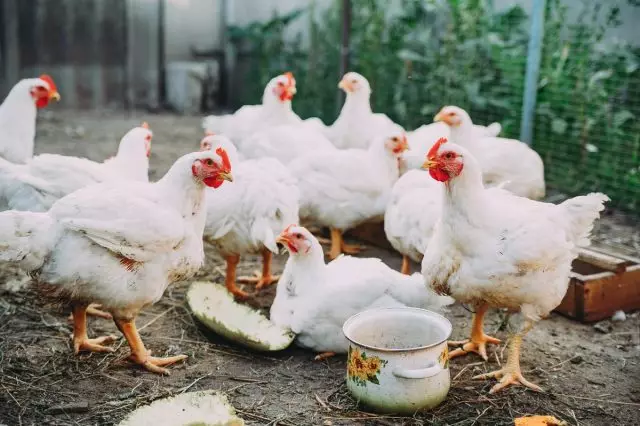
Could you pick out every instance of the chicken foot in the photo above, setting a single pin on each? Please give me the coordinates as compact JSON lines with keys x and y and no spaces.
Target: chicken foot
{"x":324,"y":355}
{"x":264,"y":278}
{"x":230,"y":278}
{"x":94,"y":310}
{"x":406,"y":265}
{"x":139,"y":354}
{"x":338,"y":246}
{"x":81,"y":341}
{"x":478,"y":341}
{"x":511,"y":374}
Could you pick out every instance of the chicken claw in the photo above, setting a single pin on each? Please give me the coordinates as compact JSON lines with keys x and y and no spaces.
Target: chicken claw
{"x":264,"y":277}
{"x":139,"y":354}
{"x":81,"y":341}
{"x":510,"y":374}
{"x":477,"y":344}
{"x":93,"y":345}
{"x":478,"y":341}
{"x":338,"y":246}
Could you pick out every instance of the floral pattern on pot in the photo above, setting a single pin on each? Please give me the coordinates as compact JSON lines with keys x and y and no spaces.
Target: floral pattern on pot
{"x":362,"y":369}
{"x":443,"y":359}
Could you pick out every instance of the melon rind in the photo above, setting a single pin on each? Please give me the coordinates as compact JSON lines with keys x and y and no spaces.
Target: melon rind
{"x":216,"y":308}
{"x":201,"y":408}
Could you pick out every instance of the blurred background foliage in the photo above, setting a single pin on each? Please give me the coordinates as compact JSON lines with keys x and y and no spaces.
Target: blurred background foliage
{"x":429,"y":53}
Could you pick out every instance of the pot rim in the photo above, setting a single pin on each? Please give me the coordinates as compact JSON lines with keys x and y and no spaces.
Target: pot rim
{"x":375,"y":348}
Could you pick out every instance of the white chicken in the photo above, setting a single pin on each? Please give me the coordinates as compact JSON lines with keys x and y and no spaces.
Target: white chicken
{"x":344,"y":188}
{"x":493,"y":248}
{"x":314,"y":299}
{"x":35,"y":186}
{"x":503,"y":161}
{"x":357,"y":125}
{"x":274,"y":110}
{"x":245,"y":216}
{"x":285,"y":143}
{"x":413,"y":210}
{"x":120,"y":244}
{"x":421,"y":139}
{"x":18,"y":116}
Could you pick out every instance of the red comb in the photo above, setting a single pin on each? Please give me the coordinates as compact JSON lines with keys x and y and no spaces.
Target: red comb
{"x":226,"y":164}
{"x":49,"y":80}
{"x":289,"y":75}
{"x":434,"y":149}
{"x":145,"y":125}
{"x":209,"y":133}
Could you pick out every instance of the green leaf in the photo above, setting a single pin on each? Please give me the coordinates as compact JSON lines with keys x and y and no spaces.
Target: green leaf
{"x":374,"y":379}
{"x":621,"y":117}
{"x":599,"y":76}
{"x":558,"y":126}
{"x":410,"y":55}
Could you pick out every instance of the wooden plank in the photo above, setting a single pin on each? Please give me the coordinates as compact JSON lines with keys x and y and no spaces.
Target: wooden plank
{"x":602,"y":260}
{"x":605,"y":296}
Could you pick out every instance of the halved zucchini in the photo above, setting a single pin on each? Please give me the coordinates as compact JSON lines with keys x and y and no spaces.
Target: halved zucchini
{"x":202,"y":408}
{"x":216,"y":308}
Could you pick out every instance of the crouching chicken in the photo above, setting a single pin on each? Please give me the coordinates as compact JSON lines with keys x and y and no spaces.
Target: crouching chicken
{"x":493,"y":248}
{"x":118,"y":244}
{"x":314,"y":299}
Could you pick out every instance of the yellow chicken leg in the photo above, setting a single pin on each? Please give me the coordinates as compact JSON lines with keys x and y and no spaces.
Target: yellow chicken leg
{"x":338,"y":246}
{"x":81,"y":341}
{"x":406,"y":265}
{"x":511,"y":374}
{"x":230,"y":278}
{"x":478,"y":341}
{"x":264,"y":278}
{"x":324,"y":355}
{"x":139,"y":354}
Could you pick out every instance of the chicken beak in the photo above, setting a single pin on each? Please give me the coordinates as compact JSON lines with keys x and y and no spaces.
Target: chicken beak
{"x":282,"y":239}
{"x":345,"y":85}
{"x":226,"y":176}
{"x":429,"y":164}
{"x":438,"y":117}
{"x":293,"y":90}
{"x":405,"y":144}
{"x":54,"y":96}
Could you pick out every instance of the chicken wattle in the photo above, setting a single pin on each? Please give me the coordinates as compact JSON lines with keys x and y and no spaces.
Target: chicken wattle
{"x":493,"y":248}
{"x":118,"y":244}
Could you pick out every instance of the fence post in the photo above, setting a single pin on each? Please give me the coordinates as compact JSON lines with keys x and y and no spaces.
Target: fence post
{"x":534,"y":52}
{"x":344,"y":49}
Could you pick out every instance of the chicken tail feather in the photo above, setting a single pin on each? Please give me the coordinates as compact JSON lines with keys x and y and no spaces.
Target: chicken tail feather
{"x":25,"y":238}
{"x":582,"y":212}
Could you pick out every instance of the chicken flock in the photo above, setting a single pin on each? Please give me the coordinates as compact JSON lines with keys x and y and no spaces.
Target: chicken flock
{"x":102,"y":240}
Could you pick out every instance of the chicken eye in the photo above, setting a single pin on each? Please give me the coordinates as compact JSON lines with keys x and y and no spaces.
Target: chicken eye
{"x":299,"y":236}
{"x":451,"y":114}
{"x":395,"y":139}
{"x":209,"y":162}
{"x":280,"y":83}
{"x":354,"y":81}
{"x":449,"y":155}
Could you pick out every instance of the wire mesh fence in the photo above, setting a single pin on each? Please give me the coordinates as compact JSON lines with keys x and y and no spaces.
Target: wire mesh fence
{"x":422,"y":54}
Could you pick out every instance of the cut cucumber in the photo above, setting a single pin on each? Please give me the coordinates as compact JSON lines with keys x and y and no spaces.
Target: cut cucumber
{"x":216,"y":308}
{"x":202,"y":408}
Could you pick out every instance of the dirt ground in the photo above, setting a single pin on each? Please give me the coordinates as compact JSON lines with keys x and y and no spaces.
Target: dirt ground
{"x":591,"y":377}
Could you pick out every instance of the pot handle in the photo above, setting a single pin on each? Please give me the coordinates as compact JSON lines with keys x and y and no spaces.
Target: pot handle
{"x":417,"y":373}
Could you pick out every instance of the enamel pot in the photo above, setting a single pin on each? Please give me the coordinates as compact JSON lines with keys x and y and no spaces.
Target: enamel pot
{"x":398,"y":359}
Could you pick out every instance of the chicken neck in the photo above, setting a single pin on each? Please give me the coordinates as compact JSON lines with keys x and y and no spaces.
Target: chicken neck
{"x":478,"y":341}
{"x":18,"y":123}
{"x":139,"y":354}
{"x":511,"y":374}
{"x":463,"y":135}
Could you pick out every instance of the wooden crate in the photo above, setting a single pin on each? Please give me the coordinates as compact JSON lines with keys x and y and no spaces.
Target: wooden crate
{"x":600,"y":284}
